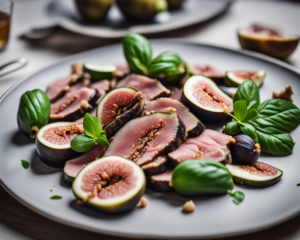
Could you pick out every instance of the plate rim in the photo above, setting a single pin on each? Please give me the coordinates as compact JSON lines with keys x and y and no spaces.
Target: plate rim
{"x":119,"y":234}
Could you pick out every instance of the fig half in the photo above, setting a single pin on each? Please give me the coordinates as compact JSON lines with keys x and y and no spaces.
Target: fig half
{"x":118,"y":107}
{"x":268,"y":41}
{"x":236,"y":78}
{"x":53,"y":143}
{"x":112,"y":184}
{"x":258,"y":174}
{"x":205,"y":99}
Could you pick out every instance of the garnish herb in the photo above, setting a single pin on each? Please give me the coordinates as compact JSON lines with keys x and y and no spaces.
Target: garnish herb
{"x":93,"y":134}
{"x":298,"y":184}
{"x":138,"y":52}
{"x":25,"y":164}
{"x":238,"y":196}
{"x":56,"y":197}
{"x":268,"y":123}
{"x":169,"y":64}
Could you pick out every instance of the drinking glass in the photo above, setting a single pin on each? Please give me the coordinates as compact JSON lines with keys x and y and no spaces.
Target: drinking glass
{"x":5,"y":19}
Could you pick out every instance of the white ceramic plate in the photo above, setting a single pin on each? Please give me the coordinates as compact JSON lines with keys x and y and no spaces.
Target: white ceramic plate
{"x":64,"y":14}
{"x":162,"y":218}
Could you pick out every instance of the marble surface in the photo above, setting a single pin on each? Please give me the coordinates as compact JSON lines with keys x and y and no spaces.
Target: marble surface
{"x":18,"y":222}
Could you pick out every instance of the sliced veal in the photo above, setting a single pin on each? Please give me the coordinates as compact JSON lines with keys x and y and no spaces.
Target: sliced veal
{"x":150,"y":88}
{"x":208,"y":145}
{"x":158,"y":165}
{"x":192,"y":124}
{"x":143,"y":139}
{"x":161,"y":182}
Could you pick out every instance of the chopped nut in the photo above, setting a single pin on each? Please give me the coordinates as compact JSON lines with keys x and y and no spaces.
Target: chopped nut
{"x":142,"y":203}
{"x":170,"y":110}
{"x":285,"y":94}
{"x":189,"y":207}
{"x":232,"y":140}
{"x":170,"y":184}
{"x":51,"y":190}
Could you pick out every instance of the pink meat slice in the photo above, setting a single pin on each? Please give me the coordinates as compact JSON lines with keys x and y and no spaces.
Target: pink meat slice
{"x":74,"y":166}
{"x":73,"y":101}
{"x":207,"y":71}
{"x":101,"y":86}
{"x":160,"y":104}
{"x":122,"y":70}
{"x":156,"y":162}
{"x":112,"y":167}
{"x":175,"y":93}
{"x":208,"y":145}
{"x":129,"y":135}
{"x":163,"y":177}
{"x":150,"y":88}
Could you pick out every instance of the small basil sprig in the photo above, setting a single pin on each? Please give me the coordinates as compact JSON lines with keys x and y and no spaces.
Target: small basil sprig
{"x":93,"y":134}
{"x":238,"y":196}
{"x":138,"y":53}
{"x":25,"y":164}
{"x":268,"y":123}
{"x":168,"y":66}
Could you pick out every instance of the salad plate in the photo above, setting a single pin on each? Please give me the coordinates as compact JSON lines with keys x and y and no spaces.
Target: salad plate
{"x":215,"y":216}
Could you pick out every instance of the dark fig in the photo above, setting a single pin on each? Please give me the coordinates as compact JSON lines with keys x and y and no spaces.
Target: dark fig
{"x":53,"y":143}
{"x":258,"y":174}
{"x":205,"y":99}
{"x":112,"y":184}
{"x":244,"y":150}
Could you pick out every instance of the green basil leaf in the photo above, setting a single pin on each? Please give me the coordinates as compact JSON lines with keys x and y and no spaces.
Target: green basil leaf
{"x":277,"y":114}
{"x":169,"y":64}
{"x":138,"y":52}
{"x":252,"y":114}
{"x":102,"y":140}
{"x":249,"y":92}
{"x":82,"y":143}
{"x":248,"y":129}
{"x":88,"y":125}
{"x":298,"y":184}
{"x":279,"y":144}
{"x":232,"y":128}
{"x":56,"y":197}
{"x":238,"y":196}
{"x":25,"y":164}
{"x":240,"y":109}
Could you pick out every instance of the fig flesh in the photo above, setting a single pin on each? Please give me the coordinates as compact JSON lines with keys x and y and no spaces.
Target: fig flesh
{"x":53,"y":143}
{"x":244,"y":150}
{"x":112,"y":184}
{"x":118,"y":107}
{"x":258,"y":174}
{"x":236,"y":78}
{"x":143,"y":139}
{"x":193,"y":125}
{"x":74,"y":166}
{"x":204,"y":98}
{"x":268,"y":41}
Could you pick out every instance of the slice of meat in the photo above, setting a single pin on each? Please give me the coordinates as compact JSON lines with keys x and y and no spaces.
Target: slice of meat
{"x":150,"y":88}
{"x":102,"y":87}
{"x":122,"y":70}
{"x":210,"y":145}
{"x":73,"y":167}
{"x":143,"y":139}
{"x":158,"y":165}
{"x":61,"y":86}
{"x":192,"y":124}
{"x":161,"y":182}
{"x":74,"y":105}
{"x":206,"y":70}
{"x":175,"y":93}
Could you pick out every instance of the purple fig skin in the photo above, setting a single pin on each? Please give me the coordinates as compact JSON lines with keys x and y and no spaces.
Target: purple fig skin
{"x":244,"y":150}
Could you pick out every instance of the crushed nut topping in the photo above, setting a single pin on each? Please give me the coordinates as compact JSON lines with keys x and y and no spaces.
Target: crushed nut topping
{"x":257,"y":147}
{"x":72,"y":128}
{"x":189,"y":207}
{"x":142,"y":203}
{"x":170,"y":110}
{"x":285,"y":94}
{"x":232,"y":140}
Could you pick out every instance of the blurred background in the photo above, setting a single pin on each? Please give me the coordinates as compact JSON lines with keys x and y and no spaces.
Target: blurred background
{"x":44,"y":31}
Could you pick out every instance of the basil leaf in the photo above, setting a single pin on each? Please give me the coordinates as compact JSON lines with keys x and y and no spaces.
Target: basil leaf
{"x":249,"y":92}
{"x":252,"y":114}
{"x":88,"y":125}
{"x":238,"y":196}
{"x":240,"y":109}
{"x":298,"y":184}
{"x":138,"y":52}
{"x":232,"y":128}
{"x":277,"y":114}
{"x":82,"y":143}
{"x":56,"y":197}
{"x":102,"y":140}
{"x":248,"y":129}
{"x":279,"y":144}
{"x":25,"y":164}
{"x":169,"y":64}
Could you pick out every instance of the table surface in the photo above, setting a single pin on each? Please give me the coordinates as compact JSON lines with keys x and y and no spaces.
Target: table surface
{"x":17,"y":221}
